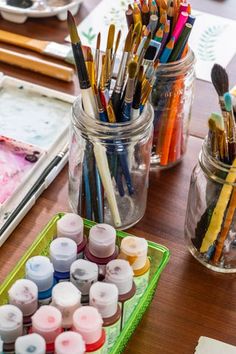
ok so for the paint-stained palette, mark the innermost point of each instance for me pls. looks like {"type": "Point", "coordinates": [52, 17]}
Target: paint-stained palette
{"type": "Point", "coordinates": [34, 123]}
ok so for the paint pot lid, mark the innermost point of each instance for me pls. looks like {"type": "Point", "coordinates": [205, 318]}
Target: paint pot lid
{"type": "Point", "coordinates": [135, 250]}
{"type": "Point", "coordinates": [63, 252]}
{"type": "Point", "coordinates": [102, 240]}
{"type": "Point", "coordinates": [24, 294]}
{"type": "Point", "coordinates": [65, 294]}
{"type": "Point", "coordinates": [30, 343]}
{"type": "Point", "coordinates": [11, 323]}
{"type": "Point", "coordinates": [69, 343]}
{"type": "Point", "coordinates": [83, 271]}
{"type": "Point", "coordinates": [104, 297]}
{"type": "Point", "coordinates": [40, 270]}
{"type": "Point", "coordinates": [88, 322]}
{"type": "Point", "coordinates": [46, 319]}
{"type": "Point", "coordinates": [71, 226]}
{"type": "Point", "coordinates": [120, 273]}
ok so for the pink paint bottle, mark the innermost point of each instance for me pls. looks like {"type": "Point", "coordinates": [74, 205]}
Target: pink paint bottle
{"type": "Point", "coordinates": [47, 322]}
{"type": "Point", "coordinates": [101, 247]}
{"type": "Point", "coordinates": [104, 297]}
{"type": "Point", "coordinates": [120, 273]}
{"type": "Point", "coordinates": [83, 274]}
{"type": "Point", "coordinates": [134, 250]}
{"type": "Point", "coordinates": [69, 343]}
{"type": "Point", "coordinates": [66, 298]}
{"type": "Point", "coordinates": [88, 322]}
{"type": "Point", "coordinates": [24, 294]}
{"type": "Point", "coordinates": [11, 327]}
{"type": "Point", "coordinates": [72, 226]}
{"type": "Point", "coordinates": [31, 343]}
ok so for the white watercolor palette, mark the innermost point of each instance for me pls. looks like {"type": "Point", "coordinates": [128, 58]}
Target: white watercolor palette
{"type": "Point", "coordinates": [34, 124]}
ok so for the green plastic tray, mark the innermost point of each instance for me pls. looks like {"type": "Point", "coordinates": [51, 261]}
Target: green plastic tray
{"type": "Point", "coordinates": [158, 255]}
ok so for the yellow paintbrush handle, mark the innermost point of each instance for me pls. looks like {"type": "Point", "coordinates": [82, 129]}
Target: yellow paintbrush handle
{"type": "Point", "coordinates": [219, 211]}
{"type": "Point", "coordinates": [22, 41]}
{"type": "Point", "coordinates": [35, 64]}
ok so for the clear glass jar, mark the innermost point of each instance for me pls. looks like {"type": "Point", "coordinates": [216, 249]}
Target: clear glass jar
{"type": "Point", "coordinates": [109, 167]}
{"type": "Point", "coordinates": [172, 98]}
{"type": "Point", "coordinates": [210, 228]}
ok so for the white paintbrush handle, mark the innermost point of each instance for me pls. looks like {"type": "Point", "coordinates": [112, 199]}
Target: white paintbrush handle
{"type": "Point", "coordinates": [102, 163]}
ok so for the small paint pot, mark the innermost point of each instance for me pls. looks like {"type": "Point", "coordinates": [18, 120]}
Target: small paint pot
{"type": "Point", "coordinates": [66, 298]}
{"type": "Point", "coordinates": [11, 326]}
{"type": "Point", "coordinates": [40, 270]}
{"type": "Point", "coordinates": [63, 252]}
{"type": "Point", "coordinates": [134, 250]}
{"type": "Point", "coordinates": [120, 273]}
{"type": "Point", "coordinates": [72, 226]}
{"type": "Point", "coordinates": [69, 343]}
{"type": "Point", "coordinates": [47, 322]}
{"type": "Point", "coordinates": [31, 343]}
{"type": "Point", "coordinates": [101, 248]}
{"type": "Point", "coordinates": [83, 274]}
{"type": "Point", "coordinates": [88, 322]}
{"type": "Point", "coordinates": [24, 295]}
{"type": "Point", "coordinates": [104, 297]}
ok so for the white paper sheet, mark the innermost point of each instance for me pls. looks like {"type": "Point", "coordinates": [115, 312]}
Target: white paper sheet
{"type": "Point", "coordinates": [212, 38]}
{"type": "Point", "coordinates": [211, 346]}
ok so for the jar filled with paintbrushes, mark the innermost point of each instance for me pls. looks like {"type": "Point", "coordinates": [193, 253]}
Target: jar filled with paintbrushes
{"type": "Point", "coordinates": [109, 167]}
{"type": "Point", "coordinates": [210, 224]}
{"type": "Point", "coordinates": [168, 24]}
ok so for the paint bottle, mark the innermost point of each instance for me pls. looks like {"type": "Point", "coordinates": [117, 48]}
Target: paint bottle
{"type": "Point", "coordinates": [31, 343]}
{"type": "Point", "coordinates": [134, 250]}
{"type": "Point", "coordinates": [47, 322]}
{"type": "Point", "coordinates": [104, 297]}
{"type": "Point", "coordinates": [66, 298]}
{"type": "Point", "coordinates": [120, 273]}
{"type": "Point", "coordinates": [40, 270]}
{"type": "Point", "coordinates": [87, 321]}
{"type": "Point", "coordinates": [63, 252]}
{"type": "Point", "coordinates": [101, 247]}
{"type": "Point", "coordinates": [24, 295]}
{"type": "Point", "coordinates": [83, 274]}
{"type": "Point", "coordinates": [72, 226]}
{"type": "Point", "coordinates": [69, 343]}
{"type": "Point", "coordinates": [11, 326]}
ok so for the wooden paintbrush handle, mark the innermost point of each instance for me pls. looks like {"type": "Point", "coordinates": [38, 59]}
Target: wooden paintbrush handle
{"type": "Point", "coordinates": [22, 41]}
{"type": "Point", "coordinates": [35, 64]}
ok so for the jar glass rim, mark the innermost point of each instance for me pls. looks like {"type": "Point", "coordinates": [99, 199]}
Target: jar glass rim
{"type": "Point", "coordinates": [188, 60]}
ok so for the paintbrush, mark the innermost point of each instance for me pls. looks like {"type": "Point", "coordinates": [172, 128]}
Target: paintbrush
{"type": "Point", "coordinates": [109, 49]}
{"type": "Point", "coordinates": [53, 49]}
{"type": "Point", "coordinates": [88, 99]}
{"type": "Point", "coordinates": [220, 82]}
{"type": "Point", "coordinates": [137, 95]}
{"type": "Point", "coordinates": [142, 49]}
{"type": "Point", "coordinates": [231, 126]}
{"type": "Point", "coordinates": [222, 137]}
{"type": "Point", "coordinates": [103, 89]}
{"type": "Point", "coordinates": [101, 110]}
{"type": "Point", "coordinates": [116, 94]}
{"type": "Point", "coordinates": [212, 138]}
{"type": "Point", "coordinates": [129, 92]}
{"type": "Point", "coordinates": [115, 52]}
{"type": "Point", "coordinates": [97, 57]}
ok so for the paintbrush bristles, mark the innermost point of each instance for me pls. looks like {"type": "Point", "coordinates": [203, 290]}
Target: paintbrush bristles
{"type": "Point", "coordinates": [110, 37]}
{"type": "Point", "coordinates": [132, 69]}
{"type": "Point", "coordinates": [98, 41]}
{"type": "Point", "coordinates": [220, 79]}
{"type": "Point", "coordinates": [128, 41]}
{"type": "Point", "coordinates": [72, 28]}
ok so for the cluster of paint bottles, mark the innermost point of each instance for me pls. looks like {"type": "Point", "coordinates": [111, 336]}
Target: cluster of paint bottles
{"type": "Point", "coordinates": [79, 298]}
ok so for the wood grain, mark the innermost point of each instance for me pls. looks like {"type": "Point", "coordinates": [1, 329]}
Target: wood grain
{"type": "Point", "coordinates": [190, 300]}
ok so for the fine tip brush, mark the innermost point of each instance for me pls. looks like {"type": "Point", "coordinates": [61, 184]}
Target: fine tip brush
{"type": "Point", "coordinates": [109, 50]}
{"type": "Point", "coordinates": [97, 57]}
{"type": "Point", "coordinates": [221, 137]}
{"type": "Point", "coordinates": [212, 138]}
{"type": "Point", "coordinates": [137, 94]}
{"type": "Point", "coordinates": [231, 126]}
{"type": "Point", "coordinates": [115, 52]}
{"type": "Point", "coordinates": [129, 92]}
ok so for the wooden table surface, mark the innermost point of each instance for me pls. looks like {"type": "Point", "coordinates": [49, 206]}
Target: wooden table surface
{"type": "Point", "coordinates": [190, 300]}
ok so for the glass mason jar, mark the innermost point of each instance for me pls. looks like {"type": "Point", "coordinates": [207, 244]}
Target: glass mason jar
{"type": "Point", "coordinates": [172, 98]}
{"type": "Point", "coordinates": [109, 167]}
{"type": "Point", "coordinates": [210, 228]}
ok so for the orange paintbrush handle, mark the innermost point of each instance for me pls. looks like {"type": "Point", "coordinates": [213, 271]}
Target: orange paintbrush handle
{"type": "Point", "coordinates": [35, 64]}
{"type": "Point", "coordinates": [22, 41]}
{"type": "Point", "coordinates": [226, 227]}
